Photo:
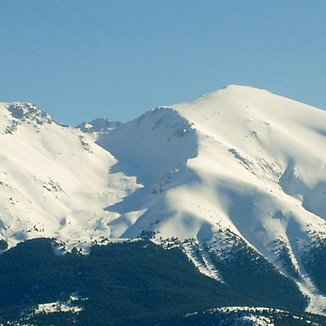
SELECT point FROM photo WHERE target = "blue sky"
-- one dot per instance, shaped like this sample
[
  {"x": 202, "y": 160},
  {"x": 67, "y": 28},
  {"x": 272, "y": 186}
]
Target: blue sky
[{"x": 83, "y": 59}]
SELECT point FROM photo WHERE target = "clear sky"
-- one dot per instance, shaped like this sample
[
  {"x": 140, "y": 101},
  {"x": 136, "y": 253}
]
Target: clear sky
[{"x": 83, "y": 59}]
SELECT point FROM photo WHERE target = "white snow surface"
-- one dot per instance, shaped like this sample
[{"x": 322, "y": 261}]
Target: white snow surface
[
  {"x": 239, "y": 158},
  {"x": 54, "y": 181},
  {"x": 250, "y": 315},
  {"x": 52, "y": 307},
  {"x": 250, "y": 319}
]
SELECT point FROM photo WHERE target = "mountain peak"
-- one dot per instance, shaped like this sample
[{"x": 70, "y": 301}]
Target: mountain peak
[
  {"x": 234, "y": 92},
  {"x": 28, "y": 112},
  {"x": 98, "y": 125}
]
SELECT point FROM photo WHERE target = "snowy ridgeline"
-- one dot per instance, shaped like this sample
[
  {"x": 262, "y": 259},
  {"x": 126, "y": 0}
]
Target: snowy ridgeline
[
  {"x": 258, "y": 316},
  {"x": 238, "y": 159}
]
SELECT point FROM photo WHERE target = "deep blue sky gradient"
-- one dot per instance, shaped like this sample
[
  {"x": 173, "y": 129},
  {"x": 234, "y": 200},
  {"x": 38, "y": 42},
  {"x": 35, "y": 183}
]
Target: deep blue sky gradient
[{"x": 82, "y": 59}]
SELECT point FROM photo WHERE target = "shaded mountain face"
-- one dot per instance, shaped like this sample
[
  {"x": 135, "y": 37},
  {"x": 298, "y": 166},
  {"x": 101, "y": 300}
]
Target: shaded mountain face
[{"x": 240, "y": 170}]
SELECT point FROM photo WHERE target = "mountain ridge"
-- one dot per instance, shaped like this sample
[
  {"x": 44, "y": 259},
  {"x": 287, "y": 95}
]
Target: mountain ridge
[{"x": 239, "y": 165}]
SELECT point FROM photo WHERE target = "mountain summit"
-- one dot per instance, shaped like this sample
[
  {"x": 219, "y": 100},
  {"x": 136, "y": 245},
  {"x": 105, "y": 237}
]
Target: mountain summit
[{"x": 236, "y": 168}]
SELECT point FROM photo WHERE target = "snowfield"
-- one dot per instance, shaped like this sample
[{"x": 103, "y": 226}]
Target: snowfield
[
  {"x": 54, "y": 180},
  {"x": 240, "y": 158}
]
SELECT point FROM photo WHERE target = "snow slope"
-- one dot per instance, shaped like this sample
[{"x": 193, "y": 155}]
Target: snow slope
[
  {"x": 239, "y": 159},
  {"x": 54, "y": 180}
]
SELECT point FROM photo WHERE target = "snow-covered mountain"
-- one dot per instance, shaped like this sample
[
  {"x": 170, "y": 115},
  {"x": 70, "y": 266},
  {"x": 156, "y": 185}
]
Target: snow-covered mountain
[
  {"x": 239, "y": 166},
  {"x": 54, "y": 180}
]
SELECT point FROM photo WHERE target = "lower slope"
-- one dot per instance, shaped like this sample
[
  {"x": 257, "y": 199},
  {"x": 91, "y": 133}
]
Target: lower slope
[
  {"x": 117, "y": 284},
  {"x": 250, "y": 316}
]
